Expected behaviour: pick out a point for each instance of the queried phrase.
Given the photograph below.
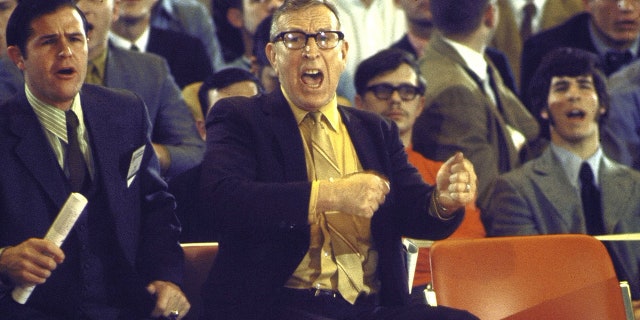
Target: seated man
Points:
(573, 187)
(312, 199)
(186, 55)
(121, 259)
(389, 83)
(174, 135)
(196, 220)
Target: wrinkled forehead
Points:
(315, 18)
(65, 19)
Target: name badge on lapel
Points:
(136, 160)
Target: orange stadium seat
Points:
(528, 277)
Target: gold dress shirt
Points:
(341, 256)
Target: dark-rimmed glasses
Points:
(295, 40)
(384, 91)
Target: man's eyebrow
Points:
(560, 82)
(48, 36)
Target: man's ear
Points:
(544, 114)
(491, 16)
(359, 102)
(270, 51)
(16, 56)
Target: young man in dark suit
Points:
(610, 29)
(122, 259)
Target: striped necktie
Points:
(324, 159)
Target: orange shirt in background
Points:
(471, 226)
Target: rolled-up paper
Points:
(412, 259)
(57, 233)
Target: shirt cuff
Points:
(437, 211)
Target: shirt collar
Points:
(52, 118)
(473, 59)
(570, 163)
(330, 111)
(141, 42)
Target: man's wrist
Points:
(437, 210)
(5, 282)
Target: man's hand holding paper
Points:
(30, 262)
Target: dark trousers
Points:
(307, 305)
(10, 309)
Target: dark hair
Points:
(570, 62)
(229, 36)
(458, 17)
(223, 79)
(19, 27)
(260, 40)
(383, 62)
(296, 5)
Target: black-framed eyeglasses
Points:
(297, 39)
(384, 91)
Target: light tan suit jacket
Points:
(458, 116)
(507, 36)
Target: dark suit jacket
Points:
(185, 54)
(33, 187)
(573, 33)
(496, 56)
(539, 199)
(148, 75)
(255, 175)
(195, 216)
(458, 116)
(507, 35)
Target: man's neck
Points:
(584, 148)
(406, 138)
(473, 41)
(608, 41)
(130, 28)
(420, 29)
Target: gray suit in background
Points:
(173, 125)
(539, 199)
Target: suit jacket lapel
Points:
(113, 75)
(286, 134)
(617, 188)
(551, 180)
(36, 153)
(362, 141)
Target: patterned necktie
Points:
(76, 165)
(324, 159)
(526, 28)
(591, 204)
